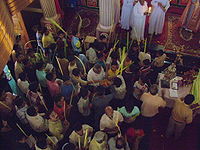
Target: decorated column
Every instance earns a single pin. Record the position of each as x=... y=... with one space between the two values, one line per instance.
x=106 y=14
x=106 y=17
x=49 y=12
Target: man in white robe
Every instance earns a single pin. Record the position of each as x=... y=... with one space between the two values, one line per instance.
x=140 y=10
x=157 y=18
x=126 y=13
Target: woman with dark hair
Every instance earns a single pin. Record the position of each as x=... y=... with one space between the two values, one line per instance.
x=61 y=107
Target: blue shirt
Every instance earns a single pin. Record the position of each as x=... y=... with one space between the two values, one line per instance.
x=66 y=91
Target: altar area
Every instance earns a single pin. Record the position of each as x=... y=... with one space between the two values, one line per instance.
x=95 y=3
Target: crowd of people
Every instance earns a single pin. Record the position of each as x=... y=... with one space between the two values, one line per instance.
x=95 y=99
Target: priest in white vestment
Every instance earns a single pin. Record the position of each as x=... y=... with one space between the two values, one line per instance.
x=157 y=18
x=126 y=13
x=138 y=18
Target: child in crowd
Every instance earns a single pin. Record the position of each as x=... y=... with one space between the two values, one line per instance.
x=61 y=107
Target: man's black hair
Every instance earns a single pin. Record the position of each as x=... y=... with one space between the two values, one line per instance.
x=49 y=76
x=31 y=111
x=76 y=72
x=33 y=87
x=189 y=99
x=57 y=98
x=117 y=82
x=84 y=92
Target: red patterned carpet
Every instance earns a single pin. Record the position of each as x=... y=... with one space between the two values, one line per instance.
x=90 y=19
x=176 y=39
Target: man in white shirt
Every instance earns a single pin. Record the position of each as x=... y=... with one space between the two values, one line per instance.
x=119 y=87
x=84 y=102
x=36 y=121
x=109 y=122
x=96 y=73
x=151 y=102
x=150 y=106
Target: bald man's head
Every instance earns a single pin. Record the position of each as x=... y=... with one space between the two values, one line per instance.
x=109 y=111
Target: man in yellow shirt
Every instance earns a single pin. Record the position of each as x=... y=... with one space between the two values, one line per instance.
x=181 y=115
x=112 y=72
x=48 y=41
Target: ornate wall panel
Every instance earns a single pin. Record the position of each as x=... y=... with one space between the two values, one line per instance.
x=6 y=34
